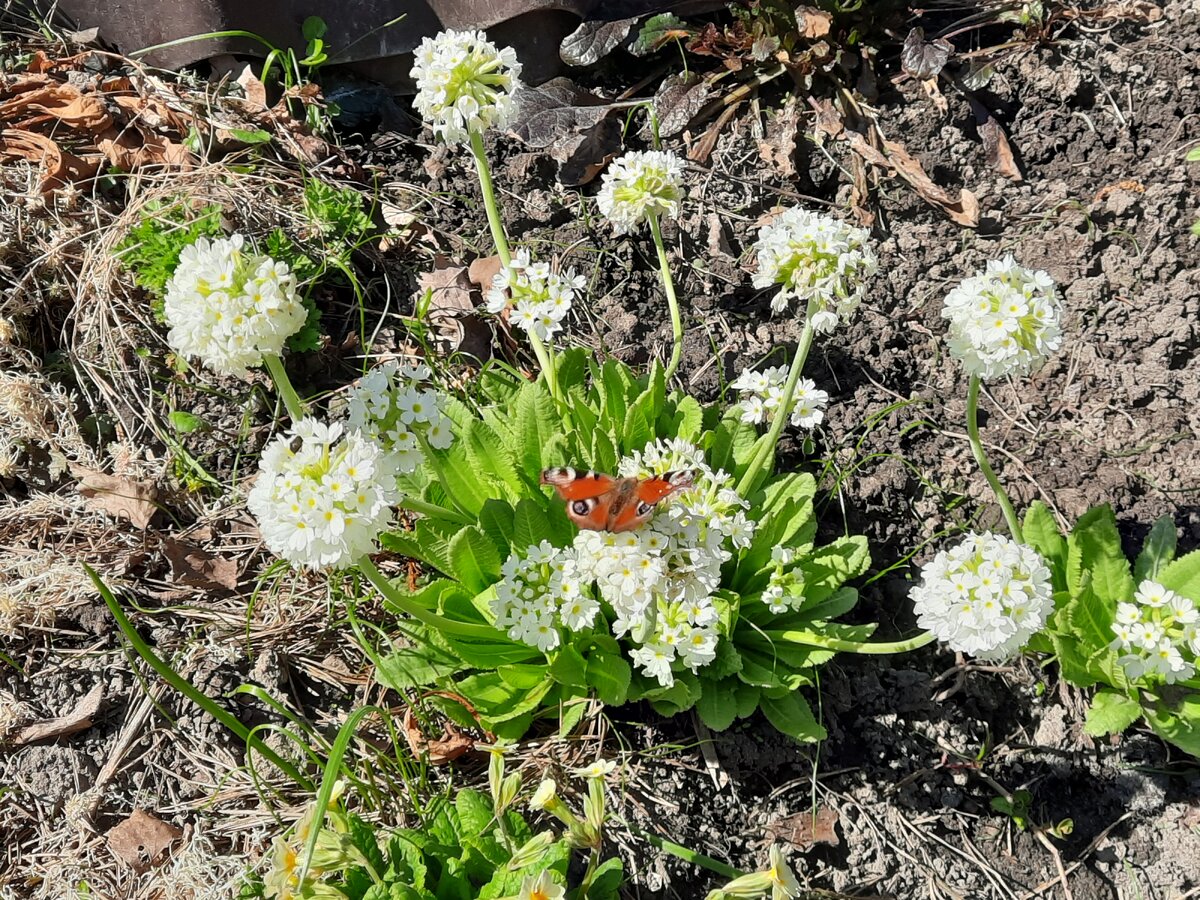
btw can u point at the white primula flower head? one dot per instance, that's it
(986, 597)
(230, 307)
(761, 394)
(540, 298)
(815, 258)
(1004, 321)
(322, 495)
(396, 406)
(539, 594)
(465, 84)
(1158, 635)
(639, 185)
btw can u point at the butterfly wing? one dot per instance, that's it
(646, 495)
(589, 495)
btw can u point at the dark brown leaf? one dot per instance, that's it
(142, 840)
(924, 59)
(78, 719)
(451, 310)
(592, 41)
(549, 111)
(198, 568)
(119, 497)
(583, 158)
(999, 153)
(678, 99)
(483, 270)
(805, 829)
(963, 208)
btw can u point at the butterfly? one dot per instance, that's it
(600, 502)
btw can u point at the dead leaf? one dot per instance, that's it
(999, 153)
(59, 166)
(119, 497)
(451, 310)
(452, 744)
(931, 89)
(678, 99)
(37, 99)
(582, 157)
(483, 269)
(814, 23)
(592, 41)
(806, 829)
(130, 148)
(778, 146)
(142, 840)
(963, 209)
(255, 90)
(703, 148)
(198, 568)
(547, 112)
(924, 59)
(78, 719)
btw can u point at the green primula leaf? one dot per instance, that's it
(1157, 551)
(459, 478)
(535, 422)
(828, 568)
(474, 559)
(637, 433)
(836, 604)
(1178, 723)
(717, 706)
(1094, 547)
(604, 454)
(607, 880)
(491, 459)
(610, 675)
(1111, 713)
(680, 696)
(1072, 663)
(1042, 534)
(686, 420)
(531, 526)
(474, 812)
(727, 661)
(792, 715)
(417, 666)
(496, 519)
(185, 422)
(746, 697)
(407, 860)
(569, 667)
(1090, 618)
(1183, 576)
(658, 30)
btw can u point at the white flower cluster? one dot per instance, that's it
(540, 592)
(985, 597)
(658, 580)
(639, 185)
(465, 84)
(1158, 632)
(762, 392)
(393, 406)
(230, 307)
(322, 495)
(1004, 321)
(540, 298)
(785, 591)
(815, 258)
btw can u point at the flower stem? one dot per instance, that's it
(758, 465)
(1010, 515)
(489, 198)
(870, 648)
(291, 400)
(432, 619)
(672, 301)
(501, 241)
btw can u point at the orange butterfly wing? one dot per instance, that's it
(600, 502)
(646, 496)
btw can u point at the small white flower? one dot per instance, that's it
(539, 593)
(986, 597)
(815, 258)
(601, 768)
(392, 406)
(323, 503)
(540, 299)
(762, 392)
(1158, 633)
(1004, 321)
(639, 185)
(230, 308)
(465, 84)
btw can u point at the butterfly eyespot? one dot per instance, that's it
(581, 507)
(644, 508)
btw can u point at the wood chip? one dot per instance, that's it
(78, 719)
(142, 840)
(805, 829)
